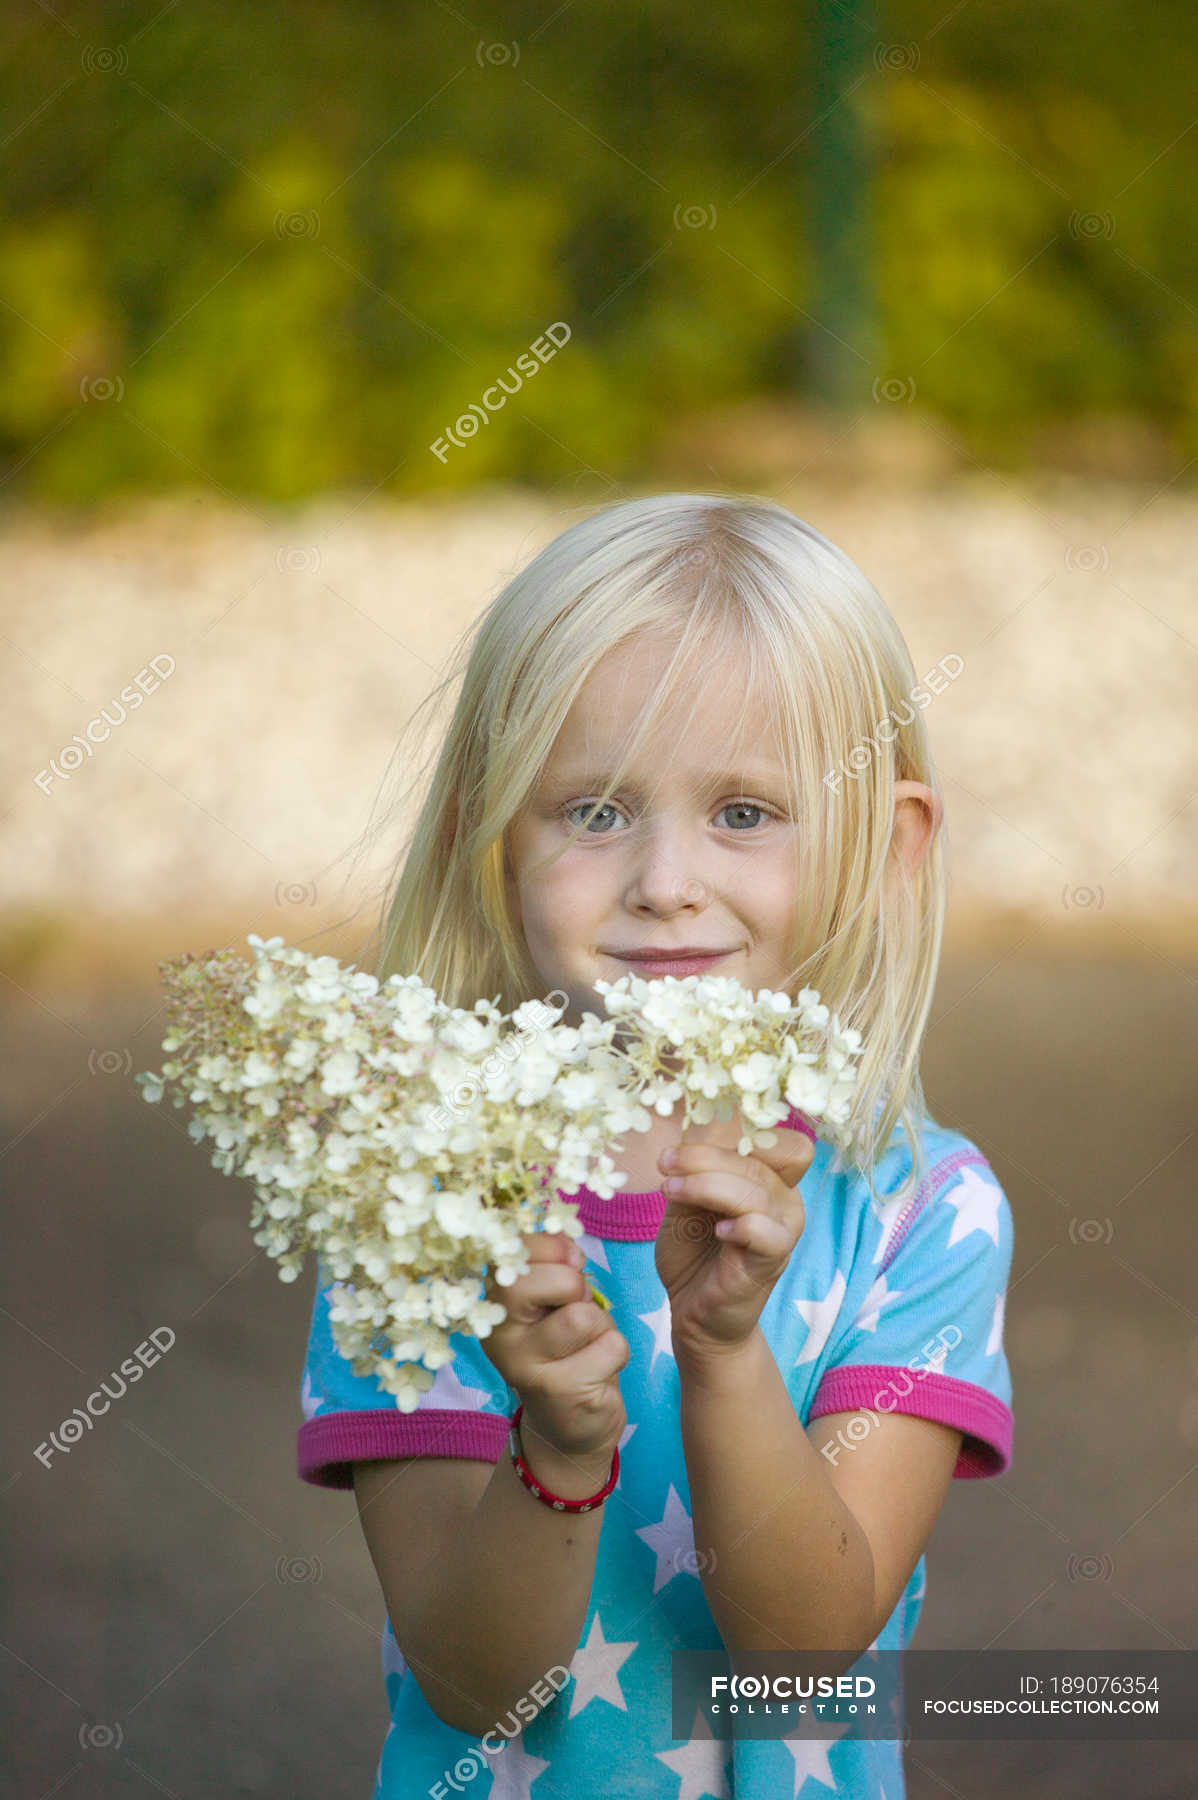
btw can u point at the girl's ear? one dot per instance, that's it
(917, 817)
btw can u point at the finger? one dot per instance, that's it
(595, 1364)
(579, 1374)
(789, 1158)
(542, 1247)
(548, 1246)
(545, 1284)
(589, 1366)
(568, 1329)
(720, 1190)
(561, 1243)
(758, 1234)
(714, 1198)
(530, 1297)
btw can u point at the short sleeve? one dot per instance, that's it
(352, 1418)
(926, 1335)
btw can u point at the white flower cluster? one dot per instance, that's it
(709, 1042)
(334, 1094)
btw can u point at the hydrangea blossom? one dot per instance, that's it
(708, 1041)
(412, 1144)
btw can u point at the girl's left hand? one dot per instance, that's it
(718, 1284)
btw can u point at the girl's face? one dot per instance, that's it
(696, 851)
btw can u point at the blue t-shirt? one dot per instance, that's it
(884, 1306)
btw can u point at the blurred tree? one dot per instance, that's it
(280, 250)
(839, 344)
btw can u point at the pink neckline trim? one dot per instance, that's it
(634, 1218)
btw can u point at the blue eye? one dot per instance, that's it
(742, 806)
(593, 812)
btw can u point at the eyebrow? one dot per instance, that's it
(596, 780)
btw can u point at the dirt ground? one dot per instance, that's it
(186, 1617)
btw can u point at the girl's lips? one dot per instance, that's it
(672, 965)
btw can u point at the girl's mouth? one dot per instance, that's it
(653, 967)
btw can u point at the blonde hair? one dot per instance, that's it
(719, 577)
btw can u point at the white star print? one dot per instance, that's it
(811, 1760)
(448, 1393)
(976, 1202)
(594, 1667)
(888, 1214)
(701, 1764)
(935, 1363)
(309, 1398)
(994, 1341)
(513, 1771)
(670, 1540)
(819, 1317)
(878, 1297)
(659, 1324)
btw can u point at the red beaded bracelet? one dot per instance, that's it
(542, 1493)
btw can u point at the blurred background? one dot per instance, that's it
(926, 274)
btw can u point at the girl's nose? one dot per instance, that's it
(667, 889)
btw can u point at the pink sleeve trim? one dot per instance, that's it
(329, 1445)
(987, 1424)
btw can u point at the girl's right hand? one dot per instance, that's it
(560, 1351)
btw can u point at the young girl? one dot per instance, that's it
(689, 737)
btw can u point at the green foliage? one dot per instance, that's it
(278, 251)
